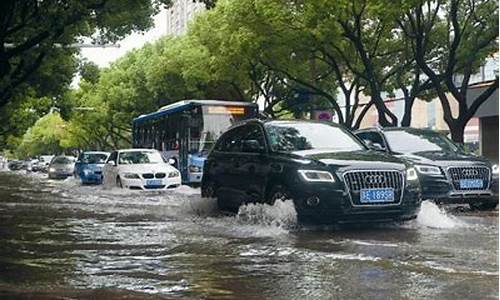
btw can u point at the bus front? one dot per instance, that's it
(207, 126)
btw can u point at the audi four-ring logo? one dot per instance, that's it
(372, 179)
(470, 172)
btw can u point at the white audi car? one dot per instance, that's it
(140, 169)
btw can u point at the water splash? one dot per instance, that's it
(432, 216)
(282, 214)
(194, 205)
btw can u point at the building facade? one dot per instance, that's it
(179, 15)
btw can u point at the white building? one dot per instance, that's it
(179, 15)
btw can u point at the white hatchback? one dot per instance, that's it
(140, 169)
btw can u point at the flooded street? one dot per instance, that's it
(60, 240)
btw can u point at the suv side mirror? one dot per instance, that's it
(251, 146)
(112, 163)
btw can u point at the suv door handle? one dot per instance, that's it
(276, 167)
(235, 162)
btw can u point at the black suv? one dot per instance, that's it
(331, 175)
(447, 173)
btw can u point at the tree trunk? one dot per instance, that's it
(383, 112)
(457, 130)
(406, 120)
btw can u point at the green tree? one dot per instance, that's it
(44, 137)
(32, 29)
(466, 34)
(89, 71)
(255, 48)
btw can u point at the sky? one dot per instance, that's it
(104, 56)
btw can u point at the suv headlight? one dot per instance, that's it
(194, 169)
(131, 176)
(494, 169)
(316, 176)
(411, 174)
(431, 170)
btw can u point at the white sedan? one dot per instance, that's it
(140, 169)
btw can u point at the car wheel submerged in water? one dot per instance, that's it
(328, 173)
(209, 190)
(119, 182)
(490, 205)
(277, 193)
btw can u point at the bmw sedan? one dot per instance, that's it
(329, 174)
(140, 169)
(447, 173)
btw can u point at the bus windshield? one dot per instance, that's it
(215, 120)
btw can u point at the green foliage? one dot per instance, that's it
(33, 30)
(44, 137)
(294, 56)
(89, 71)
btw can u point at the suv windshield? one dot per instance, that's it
(299, 136)
(411, 142)
(93, 158)
(140, 157)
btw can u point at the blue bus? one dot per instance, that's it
(186, 130)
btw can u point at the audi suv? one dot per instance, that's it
(330, 175)
(447, 173)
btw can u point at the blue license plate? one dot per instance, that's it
(376, 195)
(471, 183)
(153, 182)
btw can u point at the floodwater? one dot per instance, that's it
(60, 240)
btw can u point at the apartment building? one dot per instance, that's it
(179, 15)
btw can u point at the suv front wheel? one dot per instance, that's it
(278, 192)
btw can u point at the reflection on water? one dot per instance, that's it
(60, 239)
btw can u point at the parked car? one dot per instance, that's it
(15, 165)
(331, 176)
(447, 173)
(88, 167)
(61, 167)
(3, 162)
(43, 163)
(28, 164)
(140, 169)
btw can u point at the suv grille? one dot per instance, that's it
(459, 173)
(357, 180)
